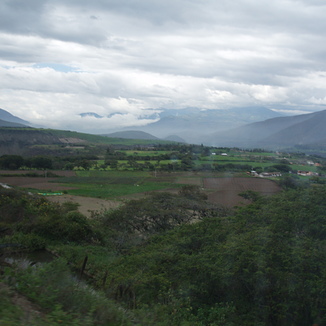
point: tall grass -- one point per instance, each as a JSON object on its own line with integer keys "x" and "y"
{"x": 61, "y": 297}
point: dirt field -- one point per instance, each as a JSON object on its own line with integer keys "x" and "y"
{"x": 87, "y": 204}
{"x": 225, "y": 191}
{"x": 35, "y": 183}
{"x": 42, "y": 183}
{"x": 39, "y": 172}
{"x": 197, "y": 181}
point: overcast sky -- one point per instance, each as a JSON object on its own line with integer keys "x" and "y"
{"x": 59, "y": 58}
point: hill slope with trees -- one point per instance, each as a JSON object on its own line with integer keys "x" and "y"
{"x": 150, "y": 264}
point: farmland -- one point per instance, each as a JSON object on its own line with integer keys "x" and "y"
{"x": 225, "y": 191}
{"x": 118, "y": 174}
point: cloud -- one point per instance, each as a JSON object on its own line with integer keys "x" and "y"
{"x": 61, "y": 58}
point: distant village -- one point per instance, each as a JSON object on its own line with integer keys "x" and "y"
{"x": 279, "y": 174}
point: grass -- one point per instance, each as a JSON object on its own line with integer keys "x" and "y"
{"x": 304, "y": 167}
{"x": 114, "y": 184}
{"x": 113, "y": 191}
{"x": 10, "y": 313}
{"x": 113, "y": 174}
{"x": 146, "y": 153}
{"x": 62, "y": 299}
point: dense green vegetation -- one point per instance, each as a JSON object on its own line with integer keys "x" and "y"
{"x": 168, "y": 260}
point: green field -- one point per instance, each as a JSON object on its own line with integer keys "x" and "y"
{"x": 146, "y": 153}
{"x": 113, "y": 191}
{"x": 113, "y": 184}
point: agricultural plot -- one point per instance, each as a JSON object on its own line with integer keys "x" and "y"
{"x": 225, "y": 191}
{"x": 145, "y": 153}
{"x": 119, "y": 183}
{"x": 45, "y": 184}
{"x": 196, "y": 181}
{"x": 263, "y": 186}
{"x": 41, "y": 181}
{"x": 86, "y": 205}
{"x": 115, "y": 184}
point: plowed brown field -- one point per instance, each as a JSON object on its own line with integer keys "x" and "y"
{"x": 42, "y": 183}
{"x": 225, "y": 191}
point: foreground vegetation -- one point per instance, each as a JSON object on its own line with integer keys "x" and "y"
{"x": 167, "y": 260}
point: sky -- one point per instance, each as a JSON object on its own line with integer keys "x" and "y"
{"x": 127, "y": 59}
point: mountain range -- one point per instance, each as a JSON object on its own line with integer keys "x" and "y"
{"x": 242, "y": 127}
{"x": 131, "y": 134}
{"x": 195, "y": 125}
{"x": 135, "y": 134}
{"x": 277, "y": 133}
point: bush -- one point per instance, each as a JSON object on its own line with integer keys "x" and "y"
{"x": 65, "y": 300}
{"x": 29, "y": 214}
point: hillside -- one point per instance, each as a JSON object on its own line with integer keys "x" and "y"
{"x": 7, "y": 117}
{"x": 19, "y": 140}
{"x": 282, "y": 132}
{"x": 131, "y": 134}
{"x": 25, "y": 141}
{"x": 4, "y": 123}
{"x": 175, "y": 138}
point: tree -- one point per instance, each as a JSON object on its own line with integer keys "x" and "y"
{"x": 41, "y": 162}
{"x": 11, "y": 162}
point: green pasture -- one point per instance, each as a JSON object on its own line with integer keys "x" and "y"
{"x": 151, "y": 161}
{"x": 257, "y": 154}
{"x": 113, "y": 191}
{"x": 241, "y": 162}
{"x": 114, "y": 184}
{"x": 113, "y": 174}
{"x": 311, "y": 168}
{"x": 238, "y": 158}
{"x": 222, "y": 159}
{"x": 145, "y": 153}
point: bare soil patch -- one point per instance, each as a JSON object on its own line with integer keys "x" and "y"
{"x": 265, "y": 186}
{"x": 197, "y": 181}
{"x": 87, "y": 205}
{"x": 225, "y": 191}
{"x": 42, "y": 182}
{"x": 39, "y": 172}
{"x": 35, "y": 183}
